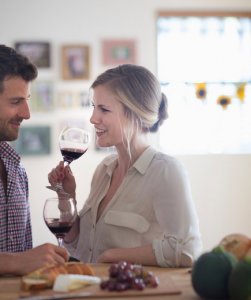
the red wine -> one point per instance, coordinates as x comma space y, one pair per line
70, 154
58, 228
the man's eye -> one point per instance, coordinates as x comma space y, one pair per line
15, 101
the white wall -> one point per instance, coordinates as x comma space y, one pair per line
220, 183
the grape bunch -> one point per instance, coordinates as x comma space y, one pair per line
125, 276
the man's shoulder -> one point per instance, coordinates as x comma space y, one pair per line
6, 150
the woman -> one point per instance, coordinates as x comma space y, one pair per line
140, 207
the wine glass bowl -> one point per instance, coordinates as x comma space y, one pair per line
73, 143
59, 215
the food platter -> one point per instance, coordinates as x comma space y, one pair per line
166, 287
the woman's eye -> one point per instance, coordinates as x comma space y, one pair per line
104, 109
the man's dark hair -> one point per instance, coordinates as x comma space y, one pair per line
14, 64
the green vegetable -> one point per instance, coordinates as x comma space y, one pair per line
240, 281
211, 272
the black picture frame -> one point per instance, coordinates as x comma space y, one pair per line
38, 52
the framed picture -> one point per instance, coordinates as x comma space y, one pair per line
37, 52
73, 99
33, 140
75, 62
117, 52
42, 96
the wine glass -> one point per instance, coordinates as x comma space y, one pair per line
73, 143
59, 215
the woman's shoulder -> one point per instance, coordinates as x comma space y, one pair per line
167, 167
165, 158
165, 161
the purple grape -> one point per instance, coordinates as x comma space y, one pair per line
154, 281
124, 275
121, 286
137, 270
138, 284
114, 270
104, 284
122, 265
111, 285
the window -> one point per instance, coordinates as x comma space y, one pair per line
204, 66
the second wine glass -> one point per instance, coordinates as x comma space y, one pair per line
59, 215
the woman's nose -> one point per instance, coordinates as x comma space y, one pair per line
93, 118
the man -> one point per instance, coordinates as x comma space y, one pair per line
16, 255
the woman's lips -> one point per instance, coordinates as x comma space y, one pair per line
100, 132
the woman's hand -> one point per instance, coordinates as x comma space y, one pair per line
63, 174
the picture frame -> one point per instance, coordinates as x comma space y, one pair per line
74, 122
42, 96
75, 62
33, 140
117, 52
73, 99
38, 52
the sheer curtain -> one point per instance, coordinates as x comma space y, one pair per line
215, 51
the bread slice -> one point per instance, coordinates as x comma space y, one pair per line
45, 277
237, 244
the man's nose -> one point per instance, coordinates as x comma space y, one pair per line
24, 111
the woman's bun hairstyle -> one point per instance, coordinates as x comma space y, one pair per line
163, 113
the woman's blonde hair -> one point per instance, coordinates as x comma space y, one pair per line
140, 94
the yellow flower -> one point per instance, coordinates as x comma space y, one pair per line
200, 89
240, 92
224, 101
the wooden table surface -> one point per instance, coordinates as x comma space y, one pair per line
10, 286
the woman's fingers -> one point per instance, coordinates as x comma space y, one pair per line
56, 174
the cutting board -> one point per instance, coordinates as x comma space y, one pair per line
166, 287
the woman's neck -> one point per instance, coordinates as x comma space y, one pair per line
126, 159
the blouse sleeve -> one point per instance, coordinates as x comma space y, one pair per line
175, 212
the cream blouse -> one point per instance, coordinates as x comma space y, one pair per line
153, 205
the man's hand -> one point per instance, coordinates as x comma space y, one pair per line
28, 261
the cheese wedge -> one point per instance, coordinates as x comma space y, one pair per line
70, 282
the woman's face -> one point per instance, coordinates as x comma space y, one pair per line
108, 118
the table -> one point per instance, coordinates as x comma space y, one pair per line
10, 286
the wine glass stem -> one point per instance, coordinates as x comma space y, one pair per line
59, 185
60, 241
